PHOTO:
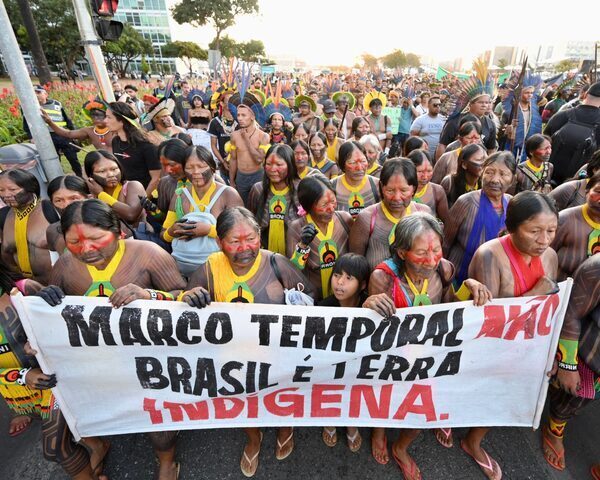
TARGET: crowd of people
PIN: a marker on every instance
(366, 190)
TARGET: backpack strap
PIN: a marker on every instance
(374, 189)
(342, 221)
(187, 193)
(215, 197)
(373, 220)
(275, 268)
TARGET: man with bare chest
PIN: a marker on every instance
(24, 246)
(248, 147)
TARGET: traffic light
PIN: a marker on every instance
(105, 8)
(106, 29)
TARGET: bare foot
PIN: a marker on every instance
(18, 425)
(168, 471)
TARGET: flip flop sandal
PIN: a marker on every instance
(558, 456)
(354, 441)
(251, 470)
(410, 472)
(595, 472)
(486, 467)
(329, 437)
(384, 449)
(444, 437)
(24, 428)
(278, 450)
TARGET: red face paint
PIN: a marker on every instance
(241, 244)
(173, 169)
(79, 243)
(426, 252)
(326, 205)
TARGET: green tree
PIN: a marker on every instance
(502, 63)
(565, 65)
(413, 60)
(396, 59)
(51, 16)
(220, 14)
(144, 67)
(252, 51)
(228, 47)
(130, 45)
(369, 61)
(186, 51)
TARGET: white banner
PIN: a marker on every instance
(164, 366)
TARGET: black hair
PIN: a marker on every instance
(467, 127)
(507, 158)
(92, 212)
(231, 216)
(95, 156)
(310, 189)
(418, 157)
(526, 205)
(375, 102)
(130, 87)
(356, 123)
(593, 164)
(69, 182)
(199, 97)
(174, 150)
(24, 179)
(124, 111)
(412, 143)
(184, 137)
(593, 180)
(459, 179)
(203, 154)
(302, 125)
(302, 144)
(331, 121)
(398, 166)
(8, 278)
(354, 265)
(534, 142)
(469, 117)
(346, 151)
(286, 153)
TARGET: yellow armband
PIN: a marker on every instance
(212, 233)
(264, 148)
(180, 296)
(463, 293)
(106, 198)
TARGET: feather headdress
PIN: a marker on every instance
(529, 81)
(244, 97)
(331, 85)
(479, 84)
(276, 104)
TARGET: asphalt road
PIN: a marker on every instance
(215, 454)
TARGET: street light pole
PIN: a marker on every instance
(31, 108)
(93, 52)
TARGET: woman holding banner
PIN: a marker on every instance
(416, 274)
(520, 264)
(26, 390)
(100, 264)
(243, 272)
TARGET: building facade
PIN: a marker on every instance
(151, 19)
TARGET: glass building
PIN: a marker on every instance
(151, 19)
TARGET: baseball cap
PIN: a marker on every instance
(328, 106)
(594, 90)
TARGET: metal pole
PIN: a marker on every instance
(31, 108)
(93, 52)
(595, 62)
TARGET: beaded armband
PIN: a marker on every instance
(567, 354)
(160, 295)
